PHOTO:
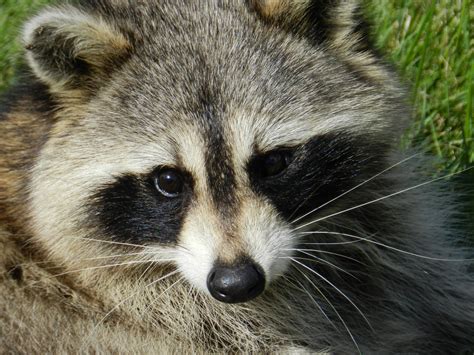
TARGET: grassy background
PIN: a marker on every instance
(431, 42)
(12, 15)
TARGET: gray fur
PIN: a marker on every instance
(163, 75)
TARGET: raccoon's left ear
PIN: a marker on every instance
(70, 50)
(337, 23)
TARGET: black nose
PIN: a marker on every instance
(236, 284)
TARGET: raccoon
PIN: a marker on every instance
(206, 176)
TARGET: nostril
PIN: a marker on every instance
(211, 277)
(235, 284)
(252, 290)
(258, 282)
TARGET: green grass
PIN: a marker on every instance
(433, 46)
(431, 42)
(12, 15)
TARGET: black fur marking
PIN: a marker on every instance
(55, 53)
(220, 174)
(321, 19)
(321, 16)
(318, 14)
(320, 170)
(28, 88)
(132, 210)
(16, 273)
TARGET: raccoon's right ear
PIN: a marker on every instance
(69, 49)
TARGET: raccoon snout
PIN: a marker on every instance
(236, 284)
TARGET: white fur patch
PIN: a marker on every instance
(267, 239)
(197, 249)
(248, 131)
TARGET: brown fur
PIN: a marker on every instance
(44, 300)
(341, 20)
(124, 86)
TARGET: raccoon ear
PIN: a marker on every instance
(338, 23)
(71, 50)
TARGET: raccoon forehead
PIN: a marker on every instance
(146, 132)
(104, 149)
(165, 136)
(262, 113)
(248, 132)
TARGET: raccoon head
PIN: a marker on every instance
(194, 133)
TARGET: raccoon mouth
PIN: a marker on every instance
(236, 284)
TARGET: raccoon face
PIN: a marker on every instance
(199, 132)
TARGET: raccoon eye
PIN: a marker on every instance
(274, 163)
(169, 182)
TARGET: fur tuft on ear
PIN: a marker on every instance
(339, 25)
(322, 20)
(281, 9)
(68, 49)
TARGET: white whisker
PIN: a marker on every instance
(303, 289)
(59, 264)
(335, 243)
(142, 275)
(107, 266)
(333, 308)
(362, 239)
(335, 287)
(327, 252)
(112, 242)
(111, 256)
(354, 188)
(162, 293)
(123, 301)
(316, 259)
(100, 267)
(380, 198)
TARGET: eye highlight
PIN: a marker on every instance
(169, 182)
